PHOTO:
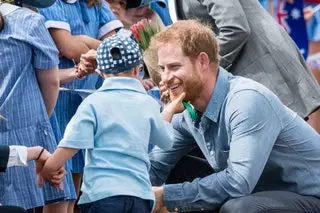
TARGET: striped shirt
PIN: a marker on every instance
(76, 17)
(25, 46)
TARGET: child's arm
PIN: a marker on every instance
(174, 107)
(55, 162)
(162, 131)
(79, 134)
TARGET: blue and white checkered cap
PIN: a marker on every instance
(118, 54)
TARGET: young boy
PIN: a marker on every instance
(115, 125)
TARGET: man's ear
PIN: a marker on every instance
(204, 60)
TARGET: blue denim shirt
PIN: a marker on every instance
(252, 141)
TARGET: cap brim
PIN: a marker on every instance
(39, 3)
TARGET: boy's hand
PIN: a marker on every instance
(176, 106)
(164, 93)
(53, 178)
(172, 108)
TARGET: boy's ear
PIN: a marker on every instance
(136, 71)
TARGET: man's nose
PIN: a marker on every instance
(166, 76)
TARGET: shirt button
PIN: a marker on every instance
(176, 209)
(45, 132)
(211, 152)
(208, 144)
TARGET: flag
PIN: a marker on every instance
(290, 16)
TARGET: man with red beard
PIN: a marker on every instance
(264, 156)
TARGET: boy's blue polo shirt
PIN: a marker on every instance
(115, 125)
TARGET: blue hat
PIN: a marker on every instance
(141, 3)
(118, 54)
(39, 3)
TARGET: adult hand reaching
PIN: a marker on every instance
(56, 178)
(88, 64)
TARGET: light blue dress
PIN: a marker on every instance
(25, 45)
(77, 18)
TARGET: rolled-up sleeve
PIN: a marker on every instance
(254, 126)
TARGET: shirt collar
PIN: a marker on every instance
(122, 83)
(219, 93)
(5, 8)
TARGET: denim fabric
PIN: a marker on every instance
(251, 140)
(118, 204)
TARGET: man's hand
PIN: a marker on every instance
(158, 193)
(88, 64)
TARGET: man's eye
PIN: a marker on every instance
(175, 67)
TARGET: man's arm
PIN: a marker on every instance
(233, 27)
(254, 128)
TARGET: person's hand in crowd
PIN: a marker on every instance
(55, 178)
(87, 65)
(308, 13)
(147, 83)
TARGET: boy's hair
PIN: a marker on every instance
(118, 54)
(193, 36)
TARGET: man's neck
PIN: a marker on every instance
(204, 97)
